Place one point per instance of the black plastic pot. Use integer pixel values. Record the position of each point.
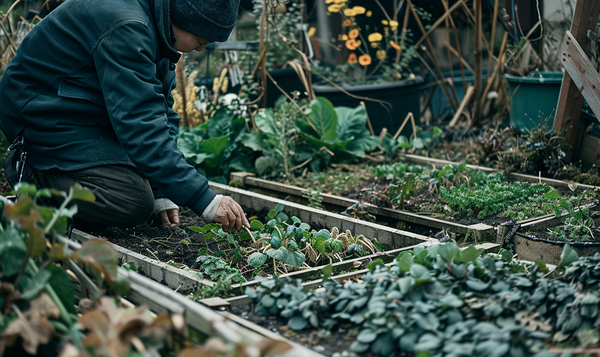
(403, 96)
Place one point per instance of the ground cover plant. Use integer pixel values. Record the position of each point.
(275, 245)
(447, 301)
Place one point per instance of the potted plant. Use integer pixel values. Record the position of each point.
(376, 55)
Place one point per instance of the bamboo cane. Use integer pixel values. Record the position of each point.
(462, 62)
(478, 57)
(464, 103)
(180, 75)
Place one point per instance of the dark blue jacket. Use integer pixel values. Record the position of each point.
(90, 85)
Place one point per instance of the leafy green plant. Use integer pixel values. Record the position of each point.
(579, 226)
(314, 197)
(392, 146)
(333, 134)
(396, 172)
(217, 268)
(215, 147)
(446, 301)
(276, 138)
(287, 243)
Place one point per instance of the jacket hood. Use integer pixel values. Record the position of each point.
(162, 20)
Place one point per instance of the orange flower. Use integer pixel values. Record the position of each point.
(352, 44)
(347, 22)
(352, 58)
(353, 33)
(364, 60)
(395, 45)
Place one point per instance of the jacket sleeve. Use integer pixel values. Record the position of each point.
(140, 115)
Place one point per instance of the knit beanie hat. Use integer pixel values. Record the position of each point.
(211, 19)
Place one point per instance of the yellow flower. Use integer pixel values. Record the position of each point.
(349, 12)
(369, 13)
(394, 23)
(343, 37)
(334, 8)
(359, 10)
(312, 31)
(381, 55)
(352, 58)
(385, 22)
(375, 37)
(353, 33)
(364, 60)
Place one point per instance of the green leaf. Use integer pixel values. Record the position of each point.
(541, 265)
(256, 225)
(63, 287)
(265, 164)
(280, 207)
(320, 244)
(82, 193)
(257, 259)
(327, 270)
(551, 194)
(448, 251)
(588, 337)
(256, 141)
(267, 301)
(272, 213)
(470, 254)
(371, 266)
(383, 345)
(220, 123)
(567, 257)
(278, 254)
(265, 121)
(36, 284)
(405, 261)
(366, 336)
(13, 251)
(417, 143)
(419, 273)
(323, 118)
(295, 259)
(298, 323)
(214, 147)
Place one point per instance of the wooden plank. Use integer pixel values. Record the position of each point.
(570, 99)
(582, 72)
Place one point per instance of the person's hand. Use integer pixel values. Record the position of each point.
(170, 217)
(230, 215)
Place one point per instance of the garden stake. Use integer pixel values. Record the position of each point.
(368, 120)
(412, 120)
(466, 100)
(497, 70)
(450, 58)
(478, 58)
(462, 63)
(493, 37)
(431, 53)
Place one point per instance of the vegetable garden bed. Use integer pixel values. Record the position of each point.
(478, 229)
(186, 281)
(438, 300)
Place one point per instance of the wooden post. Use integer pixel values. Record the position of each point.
(570, 100)
(478, 60)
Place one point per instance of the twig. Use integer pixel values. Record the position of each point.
(466, 100)
(368, 120)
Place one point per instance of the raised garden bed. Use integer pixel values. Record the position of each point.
(186, 281)
(479, 230)
(545, 239)
(499, 306)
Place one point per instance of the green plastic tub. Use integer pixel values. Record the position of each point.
(533, 99)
